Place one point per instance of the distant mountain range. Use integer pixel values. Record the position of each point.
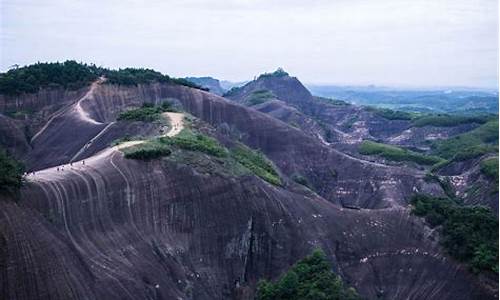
(216, 86)
(461, 100)
(439, 100)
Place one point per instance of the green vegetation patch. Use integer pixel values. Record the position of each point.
(123, 139)
(276, 74)
(233, 91)
(468, 233)
(256, 162)
(135, 76)
(489, 167)
(300, 180)
(391, 114)
(185, 82)
(444, 120)
(30, 79)
(11, 173)
(240, 160)
(221, 166)
(152, 149)
(311, 278)
(396, 153)
(260, 96)
(147, 113)
(189, 140)
(331, 101)
(474, 143)
(73, 75)
(445, 184)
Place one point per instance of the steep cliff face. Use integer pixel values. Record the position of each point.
(37, 109)
(13, 136)
(121, 229)
(343, 127)
(470, 184)
(334, 175)
(113, 228)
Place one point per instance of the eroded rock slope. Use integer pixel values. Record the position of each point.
(115, 228)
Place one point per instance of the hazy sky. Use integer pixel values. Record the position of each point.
(384, 42)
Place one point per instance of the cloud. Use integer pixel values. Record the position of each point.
(391, 42)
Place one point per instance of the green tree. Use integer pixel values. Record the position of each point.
(11, 173)
(468, 233)
(309, 279)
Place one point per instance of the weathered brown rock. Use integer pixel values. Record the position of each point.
(125, 229)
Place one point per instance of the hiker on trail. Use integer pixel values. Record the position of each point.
(57, 169)
(83, 162)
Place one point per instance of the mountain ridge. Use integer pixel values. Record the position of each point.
(189, 228)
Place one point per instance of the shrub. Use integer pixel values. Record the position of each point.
(185, 82)
(396, 153)
(233, 91)
(252, 160)
(309, 279)
(122, 139)
(444, 120)
(147, 113)
(300, 180)
(147, 150)
(440, 165)
(331, 101)
(257, 163)
(391, 114)
(471, 144)
(259, 96)
(277, 74)
(11, 173)
(469, 233)
(189, 140)
(490, 168)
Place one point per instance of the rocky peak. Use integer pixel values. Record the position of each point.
(279, 82)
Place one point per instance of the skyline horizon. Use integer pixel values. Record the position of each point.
(306, 83)
(361, 42)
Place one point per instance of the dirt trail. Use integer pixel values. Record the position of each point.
(176, 123)
(73, 108)
(176, 126)
(57, 172)
(90, 94)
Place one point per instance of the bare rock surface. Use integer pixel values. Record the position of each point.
(107, 227)
(159, 230)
